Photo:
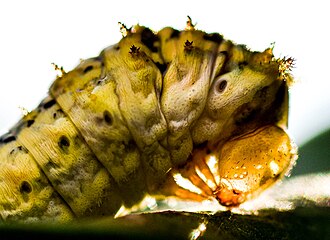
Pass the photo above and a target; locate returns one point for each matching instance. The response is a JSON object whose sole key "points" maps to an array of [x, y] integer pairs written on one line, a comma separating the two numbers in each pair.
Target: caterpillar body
{"points": [[148, 109]]}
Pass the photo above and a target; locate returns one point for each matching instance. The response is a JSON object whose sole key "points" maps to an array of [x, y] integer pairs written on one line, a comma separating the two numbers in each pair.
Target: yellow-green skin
{"points": [[113, 128]]}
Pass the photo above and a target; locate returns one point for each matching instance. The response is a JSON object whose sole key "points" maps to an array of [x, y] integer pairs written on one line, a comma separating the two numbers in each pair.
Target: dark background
{"points": [[314, 155]]}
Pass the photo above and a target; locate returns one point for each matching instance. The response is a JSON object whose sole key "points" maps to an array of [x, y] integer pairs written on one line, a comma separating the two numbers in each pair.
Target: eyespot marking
{"points": [[221, 86]]}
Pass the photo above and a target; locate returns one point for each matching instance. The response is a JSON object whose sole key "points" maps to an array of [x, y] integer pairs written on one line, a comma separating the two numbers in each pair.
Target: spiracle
{"points": [[149, 113]]}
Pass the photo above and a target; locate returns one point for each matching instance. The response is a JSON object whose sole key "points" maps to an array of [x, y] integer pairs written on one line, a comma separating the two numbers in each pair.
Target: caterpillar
{"points": [[150, 110]]}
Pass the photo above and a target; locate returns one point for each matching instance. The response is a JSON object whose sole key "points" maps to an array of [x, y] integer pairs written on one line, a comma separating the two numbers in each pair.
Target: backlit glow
{"points": [[186, 183], [274, 167], [208, 182], [213, 163]]}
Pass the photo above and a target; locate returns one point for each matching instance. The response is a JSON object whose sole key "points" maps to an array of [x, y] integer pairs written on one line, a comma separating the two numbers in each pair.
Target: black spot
{"points": [[107, 117], [25, 187], [221, 86], [7, 138], [175, 34], [49, 104], [29, 123], [88, 68], [64, 143], [148, 38], [214, 37], [117, 48], [162, 67]]}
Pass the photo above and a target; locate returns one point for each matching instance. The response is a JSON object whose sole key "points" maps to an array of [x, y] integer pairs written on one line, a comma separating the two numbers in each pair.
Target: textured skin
{"points": [[119, 125]]}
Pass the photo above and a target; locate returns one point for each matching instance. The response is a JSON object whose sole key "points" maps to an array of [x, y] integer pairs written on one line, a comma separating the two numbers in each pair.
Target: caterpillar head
{"points": [[249, 91], [239, 139]]}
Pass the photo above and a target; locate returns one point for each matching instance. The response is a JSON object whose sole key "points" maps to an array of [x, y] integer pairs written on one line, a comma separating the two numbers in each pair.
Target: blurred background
{"points": [[35, 34]]}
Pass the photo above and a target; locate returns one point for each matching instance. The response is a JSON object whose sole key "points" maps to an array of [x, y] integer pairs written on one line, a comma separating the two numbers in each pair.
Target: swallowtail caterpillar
{"points": [[148, 110]]}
